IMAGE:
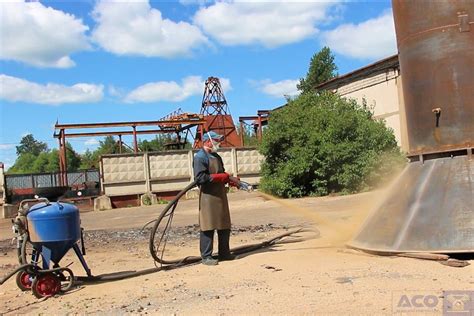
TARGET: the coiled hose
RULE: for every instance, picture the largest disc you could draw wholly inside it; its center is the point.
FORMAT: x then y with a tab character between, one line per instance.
157	250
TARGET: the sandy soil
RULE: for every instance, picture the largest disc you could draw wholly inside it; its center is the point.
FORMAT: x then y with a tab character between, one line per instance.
315	274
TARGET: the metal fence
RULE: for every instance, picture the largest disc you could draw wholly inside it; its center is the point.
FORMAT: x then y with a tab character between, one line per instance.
43	180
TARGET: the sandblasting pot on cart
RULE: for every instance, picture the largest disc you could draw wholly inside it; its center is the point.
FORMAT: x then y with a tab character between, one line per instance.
53	229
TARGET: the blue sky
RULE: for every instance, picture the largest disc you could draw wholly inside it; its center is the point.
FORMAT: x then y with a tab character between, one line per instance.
103	61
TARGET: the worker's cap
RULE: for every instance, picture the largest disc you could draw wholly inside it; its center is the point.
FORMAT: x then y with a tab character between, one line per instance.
213	135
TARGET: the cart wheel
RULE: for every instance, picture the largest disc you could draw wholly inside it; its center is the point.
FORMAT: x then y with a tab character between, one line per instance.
23	281
46	285
66	281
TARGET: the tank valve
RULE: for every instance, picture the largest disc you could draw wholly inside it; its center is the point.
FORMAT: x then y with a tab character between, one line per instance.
437	112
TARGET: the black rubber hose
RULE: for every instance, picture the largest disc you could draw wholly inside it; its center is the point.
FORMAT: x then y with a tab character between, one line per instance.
129	274
9	275
33	269
168	211
183	262
169	264
22	257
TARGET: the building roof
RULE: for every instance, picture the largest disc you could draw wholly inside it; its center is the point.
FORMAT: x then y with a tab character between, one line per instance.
380	66
375	68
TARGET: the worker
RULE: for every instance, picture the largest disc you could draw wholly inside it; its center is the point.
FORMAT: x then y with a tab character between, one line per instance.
214	213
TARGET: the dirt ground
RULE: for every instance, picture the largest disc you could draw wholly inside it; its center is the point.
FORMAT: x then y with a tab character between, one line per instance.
312	274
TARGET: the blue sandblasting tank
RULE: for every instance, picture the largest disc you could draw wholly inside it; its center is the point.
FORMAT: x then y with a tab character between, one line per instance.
54	228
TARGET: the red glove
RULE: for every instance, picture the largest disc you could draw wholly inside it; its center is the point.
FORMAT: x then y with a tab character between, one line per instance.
220	177
234	181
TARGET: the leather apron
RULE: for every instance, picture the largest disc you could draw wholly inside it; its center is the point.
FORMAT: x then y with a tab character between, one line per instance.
213	204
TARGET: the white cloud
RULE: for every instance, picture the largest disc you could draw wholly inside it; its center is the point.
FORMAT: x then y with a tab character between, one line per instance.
115	92
6	146
40	36
135	28
280	88
91	142
372	39
172	91
19	90
271	23
195	2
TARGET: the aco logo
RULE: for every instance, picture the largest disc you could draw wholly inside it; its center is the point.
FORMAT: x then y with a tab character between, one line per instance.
416	302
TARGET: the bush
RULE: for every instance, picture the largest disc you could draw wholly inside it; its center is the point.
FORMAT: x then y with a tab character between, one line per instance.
322	143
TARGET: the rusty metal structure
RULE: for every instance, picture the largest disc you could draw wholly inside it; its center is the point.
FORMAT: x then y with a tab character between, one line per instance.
430	207
181	134
436	44
177	122
216	113
257	122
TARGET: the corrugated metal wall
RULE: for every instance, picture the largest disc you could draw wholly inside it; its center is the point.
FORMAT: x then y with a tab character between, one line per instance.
42	180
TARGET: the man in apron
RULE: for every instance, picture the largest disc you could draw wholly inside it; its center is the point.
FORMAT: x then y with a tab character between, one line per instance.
213	206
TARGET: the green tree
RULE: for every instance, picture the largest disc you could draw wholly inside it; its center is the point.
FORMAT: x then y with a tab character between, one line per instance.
250	137
23	164
73	159
108	146
53	161
322	143
88	160
160	143
44	161
321	69
28	144
40	164
155	144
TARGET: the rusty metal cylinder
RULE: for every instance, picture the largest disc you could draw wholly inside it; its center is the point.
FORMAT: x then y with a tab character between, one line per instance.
436	51
429	208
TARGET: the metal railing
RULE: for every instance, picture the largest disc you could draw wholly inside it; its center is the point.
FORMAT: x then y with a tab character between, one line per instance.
42	180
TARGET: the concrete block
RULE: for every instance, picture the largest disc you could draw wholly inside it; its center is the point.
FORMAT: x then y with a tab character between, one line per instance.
9	210
148	199
102	203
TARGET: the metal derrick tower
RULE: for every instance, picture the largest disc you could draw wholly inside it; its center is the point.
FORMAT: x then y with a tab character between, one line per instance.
216	113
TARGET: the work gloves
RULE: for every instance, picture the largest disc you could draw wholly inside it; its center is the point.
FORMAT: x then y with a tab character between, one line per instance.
234	181
220	177
225	178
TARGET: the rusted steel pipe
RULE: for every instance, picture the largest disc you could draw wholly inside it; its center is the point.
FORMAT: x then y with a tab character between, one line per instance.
430	206
198	120
436	51
135	143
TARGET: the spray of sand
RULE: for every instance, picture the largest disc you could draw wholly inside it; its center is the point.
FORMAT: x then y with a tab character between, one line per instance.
336	232
332	233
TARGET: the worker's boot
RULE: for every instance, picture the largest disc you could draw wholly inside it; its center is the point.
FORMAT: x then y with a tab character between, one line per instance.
209	261
206	241
226	257
224	249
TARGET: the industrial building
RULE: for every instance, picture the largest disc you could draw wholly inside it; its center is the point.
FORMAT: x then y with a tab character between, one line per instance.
380	85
